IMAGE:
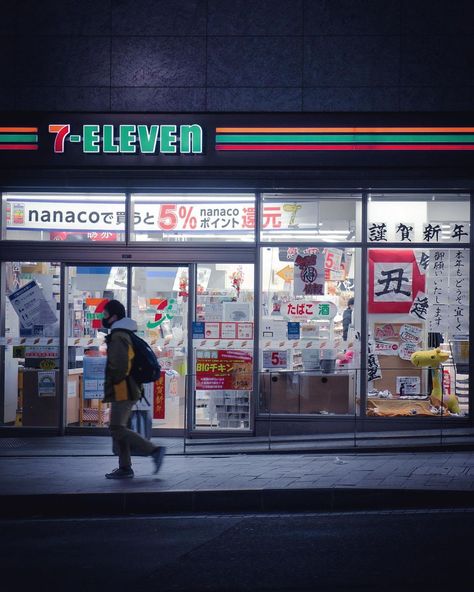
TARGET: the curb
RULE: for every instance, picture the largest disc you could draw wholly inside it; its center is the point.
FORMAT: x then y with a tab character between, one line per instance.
211	501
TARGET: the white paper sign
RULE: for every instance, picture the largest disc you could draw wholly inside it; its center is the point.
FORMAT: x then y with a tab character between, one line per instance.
410	333
406	349
94	377
31	306
275	359
408	385
47	384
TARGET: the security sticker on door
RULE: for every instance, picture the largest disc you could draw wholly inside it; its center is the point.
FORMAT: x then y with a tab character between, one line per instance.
275	359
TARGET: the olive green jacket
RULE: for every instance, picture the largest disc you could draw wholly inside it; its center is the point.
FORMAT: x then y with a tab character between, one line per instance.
119	385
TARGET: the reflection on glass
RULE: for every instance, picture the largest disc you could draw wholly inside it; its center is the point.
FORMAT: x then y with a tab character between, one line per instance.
89	289
223	346
418	322
303	218
32	354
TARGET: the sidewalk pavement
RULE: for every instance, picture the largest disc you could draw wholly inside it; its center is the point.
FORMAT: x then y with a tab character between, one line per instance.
70	482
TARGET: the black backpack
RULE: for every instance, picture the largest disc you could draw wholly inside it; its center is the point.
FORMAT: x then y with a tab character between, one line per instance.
145	366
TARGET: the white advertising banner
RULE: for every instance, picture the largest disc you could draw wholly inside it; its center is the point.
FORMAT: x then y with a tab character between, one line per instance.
148	215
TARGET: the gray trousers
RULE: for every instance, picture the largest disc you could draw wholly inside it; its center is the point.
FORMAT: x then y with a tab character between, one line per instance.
125	438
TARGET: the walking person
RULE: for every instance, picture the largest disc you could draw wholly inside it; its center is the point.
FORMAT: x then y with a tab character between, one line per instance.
122	392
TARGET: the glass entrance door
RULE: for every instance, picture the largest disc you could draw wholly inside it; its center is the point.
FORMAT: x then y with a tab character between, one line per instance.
159	305
157	299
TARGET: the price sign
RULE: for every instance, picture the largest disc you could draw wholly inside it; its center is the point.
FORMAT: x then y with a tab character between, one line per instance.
275	359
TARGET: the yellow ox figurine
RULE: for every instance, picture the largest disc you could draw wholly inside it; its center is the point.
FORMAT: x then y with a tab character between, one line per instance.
431	358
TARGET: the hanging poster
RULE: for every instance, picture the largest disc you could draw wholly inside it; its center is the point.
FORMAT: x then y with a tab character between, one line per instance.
224	369
94	376
309	275
31	306
159	397
394	280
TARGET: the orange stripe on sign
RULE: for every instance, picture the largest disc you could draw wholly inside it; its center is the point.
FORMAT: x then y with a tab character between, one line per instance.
19	129
343	130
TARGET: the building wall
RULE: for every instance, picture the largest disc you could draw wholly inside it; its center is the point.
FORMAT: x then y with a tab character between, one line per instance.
237	55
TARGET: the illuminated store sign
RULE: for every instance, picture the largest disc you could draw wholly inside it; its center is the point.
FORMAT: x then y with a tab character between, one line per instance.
130	138
225	139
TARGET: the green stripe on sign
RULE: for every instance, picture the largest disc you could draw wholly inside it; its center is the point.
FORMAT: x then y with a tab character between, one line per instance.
344	138
14	138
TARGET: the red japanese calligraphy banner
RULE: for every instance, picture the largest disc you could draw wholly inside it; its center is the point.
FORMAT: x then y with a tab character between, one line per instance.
224	370
159	398
394	280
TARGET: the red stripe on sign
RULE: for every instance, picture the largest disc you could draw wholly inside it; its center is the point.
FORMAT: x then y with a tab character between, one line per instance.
18	146
324	147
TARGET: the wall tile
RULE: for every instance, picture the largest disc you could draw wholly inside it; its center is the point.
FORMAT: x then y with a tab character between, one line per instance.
351	99
351	61
158	61
437	17
8	100
435	60
64	61
254	99
9	20
352	17
159	17
428	98
254	61
9	63
158	99
63	99
67	17
248	17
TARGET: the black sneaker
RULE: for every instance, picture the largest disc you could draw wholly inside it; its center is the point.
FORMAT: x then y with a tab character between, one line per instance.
157	456
120	474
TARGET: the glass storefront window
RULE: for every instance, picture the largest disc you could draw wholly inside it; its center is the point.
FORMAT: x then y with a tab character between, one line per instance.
32	359
84	217
191	217
223	337
309	330
418	304
303	218
160	308
89	289
427	218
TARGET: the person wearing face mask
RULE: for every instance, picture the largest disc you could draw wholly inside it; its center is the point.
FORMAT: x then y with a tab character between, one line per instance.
122	392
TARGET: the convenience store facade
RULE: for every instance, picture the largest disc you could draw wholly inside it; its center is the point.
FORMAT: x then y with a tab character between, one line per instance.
237	241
